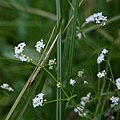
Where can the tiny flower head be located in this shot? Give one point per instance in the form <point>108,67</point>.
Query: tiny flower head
<point>118,83</point>
<point>51,63</point>
<point>114,100</point>
<point>20,48</point>
<point>80,73</point>
<point>58,84</point>
<point>7,87</point>
<point>72,82</point>
<point>79,35</point>
<point>38,100</point>
<point>102,56</point>
<point>104,51</point>
<point>101,74</point>
<point>80,109</point>
<point>40,45</point>
<point>97,18</point>
<point>19,53</point>
<point>85,82</point>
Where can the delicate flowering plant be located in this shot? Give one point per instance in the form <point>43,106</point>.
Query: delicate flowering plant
<point>40,45</point>
<point>51,63</point>
<point>7,87</point>
<point>80,109</point>
<point>19,50</point>
<point>97,18</point>
<point>38,100</point>
<point>101,74</point>
<point>85,82</point>
<point>19,53</point>
<point>79,35</point>
<point>118,83</point>
<point>80,73</point>
<point>114,100</point>
<point>58,84</point>
<point>102,56</point>
<point>72,82</point>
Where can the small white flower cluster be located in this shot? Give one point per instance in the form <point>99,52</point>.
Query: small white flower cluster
<point>38,100</point>
<point>102,55</point>
<point>39,45</point>
<point>79,35</point>
<point>20,49</point>
<point>80,73</point>
<point>6,87</point>
<point>51,63</point>
<point>101,74</point>
<point>72,82</point>
<point>85,82</point>
<point>97,18</point>
<point>58,84</point>
<point>19,53</point>
<point>114,100</point>
<point>81,108</point>
<point>118,83</point>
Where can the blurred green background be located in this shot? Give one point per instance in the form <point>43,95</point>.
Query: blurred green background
<point>31,20</point>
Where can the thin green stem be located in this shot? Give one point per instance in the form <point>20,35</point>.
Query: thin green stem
<point>111,71</point>
<point>54,101</point>
<point>61,87</point>
<point>59,63</point>
<point>69,22</point>
<point>81,2</point>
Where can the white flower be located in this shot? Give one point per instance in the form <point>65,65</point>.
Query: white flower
<point>104,51</point>
<point>58,84</point>
<point>85,82</point>
<point>90,19</point>
<point>4,85</point>
<point>77,109</point>
<point>100,58</point>
<point>80,73</point>
<point>79,35</point>
<point>118,83</point>
<point>80,109</point>
<point>41,95</point>
<point>97,18</point>
<point>101,74</point>
<point>102,55</point>
<point>38,100</point>
<point>86,98</point>
<point>23,58</point>
<point>72,82</point>
<point>7,87</point>
<point>51,63</point>
<point>10,89</point>
<point>81,112</point>
<point>20,48</point>
<point>114,100</point>
<point>19,53</point>
<point>39,45</point>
